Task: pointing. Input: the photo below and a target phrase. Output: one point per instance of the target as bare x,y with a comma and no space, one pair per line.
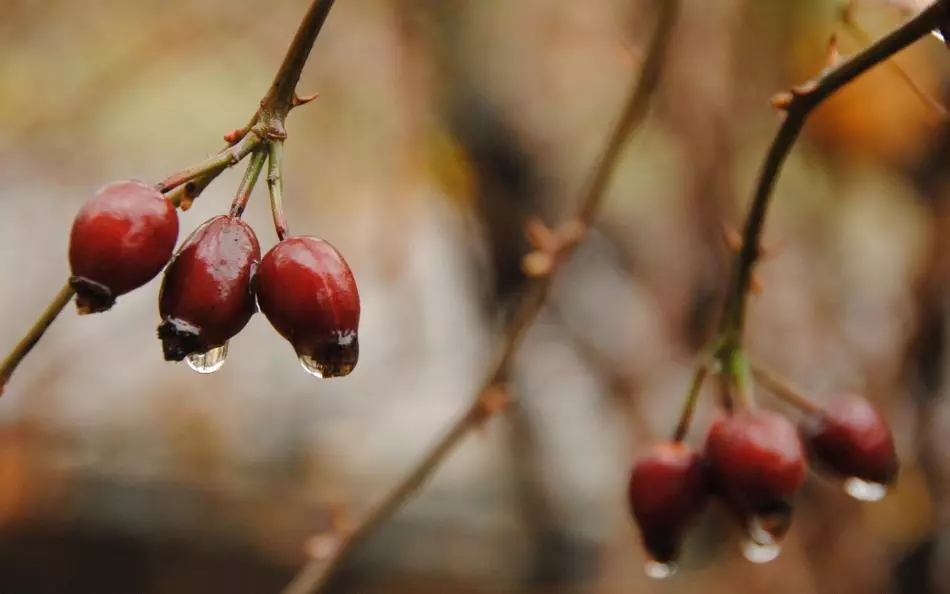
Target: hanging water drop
939,35
760,553
325,369
209,361
758,532
659,571
864,490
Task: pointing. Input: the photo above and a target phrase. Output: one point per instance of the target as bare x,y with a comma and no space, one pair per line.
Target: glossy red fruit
307,291
850,438
757,463
120,239
668,488
206,296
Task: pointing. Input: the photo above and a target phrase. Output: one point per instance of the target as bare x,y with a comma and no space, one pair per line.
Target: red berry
668,488
757,462
206,296
120,240
307,291
850,438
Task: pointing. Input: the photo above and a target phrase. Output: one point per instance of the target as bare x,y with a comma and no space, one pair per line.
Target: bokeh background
441,126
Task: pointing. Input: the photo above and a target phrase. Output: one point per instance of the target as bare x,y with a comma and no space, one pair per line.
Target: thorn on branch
298,100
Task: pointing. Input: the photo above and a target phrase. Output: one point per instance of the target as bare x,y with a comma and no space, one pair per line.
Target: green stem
213,164
275,186
247,183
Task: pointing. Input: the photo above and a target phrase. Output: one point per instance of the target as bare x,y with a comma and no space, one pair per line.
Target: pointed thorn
755,285
298,100
732,238
782,101
833,57
540,236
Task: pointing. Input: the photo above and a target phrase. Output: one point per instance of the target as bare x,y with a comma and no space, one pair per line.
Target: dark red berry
307,291
206,296
668,488
757,463
850,438
120,240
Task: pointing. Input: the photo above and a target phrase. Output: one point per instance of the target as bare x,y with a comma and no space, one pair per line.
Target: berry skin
757,462
308,293
850,438
668,488
206,296
120,239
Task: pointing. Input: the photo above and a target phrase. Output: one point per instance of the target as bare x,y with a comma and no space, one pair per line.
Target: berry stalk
248,182
275,187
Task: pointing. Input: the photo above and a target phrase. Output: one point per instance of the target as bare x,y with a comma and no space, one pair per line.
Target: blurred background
440,128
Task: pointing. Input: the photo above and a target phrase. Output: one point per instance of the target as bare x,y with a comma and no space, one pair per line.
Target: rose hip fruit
206,296
757,462
120,239
851,439
308,293
668,488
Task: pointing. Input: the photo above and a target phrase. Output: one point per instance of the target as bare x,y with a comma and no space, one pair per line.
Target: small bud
537,264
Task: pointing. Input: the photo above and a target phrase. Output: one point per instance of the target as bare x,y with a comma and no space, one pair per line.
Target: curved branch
317,572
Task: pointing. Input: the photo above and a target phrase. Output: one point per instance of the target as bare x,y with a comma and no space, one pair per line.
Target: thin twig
858,33
317,572
280,98
798,107
33,336
692,398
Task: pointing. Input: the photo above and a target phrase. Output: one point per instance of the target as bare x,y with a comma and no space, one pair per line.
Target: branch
282,97
317,572
798,106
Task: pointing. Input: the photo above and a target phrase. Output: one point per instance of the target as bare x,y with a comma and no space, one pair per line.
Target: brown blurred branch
265,127
317,572
798,105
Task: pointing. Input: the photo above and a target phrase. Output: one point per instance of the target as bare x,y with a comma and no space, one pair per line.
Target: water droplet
758,552
758,533
863,490
335,358
938,34
210,361
659,571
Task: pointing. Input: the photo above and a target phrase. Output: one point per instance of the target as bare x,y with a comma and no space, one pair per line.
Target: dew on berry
209,361
760,553
864,490
307,291
206,296
659,571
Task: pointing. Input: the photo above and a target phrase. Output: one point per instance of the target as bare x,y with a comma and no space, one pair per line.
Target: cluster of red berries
754,462
125,235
